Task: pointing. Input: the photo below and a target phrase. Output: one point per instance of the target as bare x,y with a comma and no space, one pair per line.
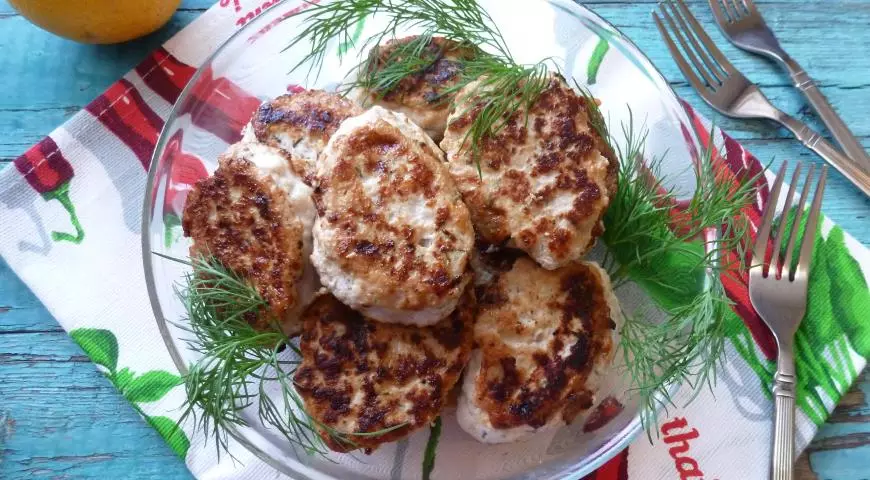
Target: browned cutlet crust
544,180
310,116
526,380
358,375
421,96
416,264
245,221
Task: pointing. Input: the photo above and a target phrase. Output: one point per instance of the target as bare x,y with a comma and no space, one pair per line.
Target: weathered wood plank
59,417
842,446
56,68
64,419
82,71
843,203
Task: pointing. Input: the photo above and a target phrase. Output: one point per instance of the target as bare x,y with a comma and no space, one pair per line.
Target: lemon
97,21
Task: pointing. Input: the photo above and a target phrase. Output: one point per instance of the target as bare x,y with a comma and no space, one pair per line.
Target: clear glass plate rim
612,447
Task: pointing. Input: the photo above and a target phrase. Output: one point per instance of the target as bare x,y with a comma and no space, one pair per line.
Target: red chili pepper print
615,469
220,106
165,74
603,414
187,169
49,173
123,111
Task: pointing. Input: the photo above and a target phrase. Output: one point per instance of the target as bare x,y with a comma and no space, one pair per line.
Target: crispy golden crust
300,124
541,333
420,96
359,375
392,231
544,182
246,222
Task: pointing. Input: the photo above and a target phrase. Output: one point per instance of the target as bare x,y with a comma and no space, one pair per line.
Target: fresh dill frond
380,74
240,365
503,86
673,250
463,21
238,362
499,90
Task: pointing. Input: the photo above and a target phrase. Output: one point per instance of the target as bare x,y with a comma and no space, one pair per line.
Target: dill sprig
677,260
504,86
463,21
380,74
501,88
240,365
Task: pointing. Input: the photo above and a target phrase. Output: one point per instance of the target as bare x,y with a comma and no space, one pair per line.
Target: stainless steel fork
731,93
781,301
744,26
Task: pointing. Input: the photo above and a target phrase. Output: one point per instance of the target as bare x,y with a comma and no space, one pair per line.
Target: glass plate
254,65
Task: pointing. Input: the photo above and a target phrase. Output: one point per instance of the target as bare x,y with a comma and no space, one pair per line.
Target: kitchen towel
71,219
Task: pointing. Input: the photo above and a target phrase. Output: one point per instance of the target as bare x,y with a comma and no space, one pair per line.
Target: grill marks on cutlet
527,166
246,222
424,95
409,178
425,88
395,254
551,381
362,376
310,116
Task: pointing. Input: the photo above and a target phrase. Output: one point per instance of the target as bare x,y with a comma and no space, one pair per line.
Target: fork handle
783,431
829,116
812,140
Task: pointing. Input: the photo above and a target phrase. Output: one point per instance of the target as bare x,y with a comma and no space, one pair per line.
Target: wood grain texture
59,418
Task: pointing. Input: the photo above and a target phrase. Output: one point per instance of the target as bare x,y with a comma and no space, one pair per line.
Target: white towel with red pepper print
72,204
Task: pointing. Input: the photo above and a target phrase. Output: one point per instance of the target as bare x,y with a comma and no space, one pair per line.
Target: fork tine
812,224
681,32
687,70
750,6
777,241
724,64
766,221
721,16
795,227
733,14
693,33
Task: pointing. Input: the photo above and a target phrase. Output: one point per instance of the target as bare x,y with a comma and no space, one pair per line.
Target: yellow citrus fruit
98,21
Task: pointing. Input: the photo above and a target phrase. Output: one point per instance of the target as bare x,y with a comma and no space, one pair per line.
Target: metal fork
781,301
744,26
731,93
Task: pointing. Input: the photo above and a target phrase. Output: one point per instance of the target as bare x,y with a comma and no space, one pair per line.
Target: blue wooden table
59,418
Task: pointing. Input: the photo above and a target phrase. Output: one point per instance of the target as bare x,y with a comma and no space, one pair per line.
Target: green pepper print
850,296
836,297
349,43
102,347
682,277
595,61
672,278
819,330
